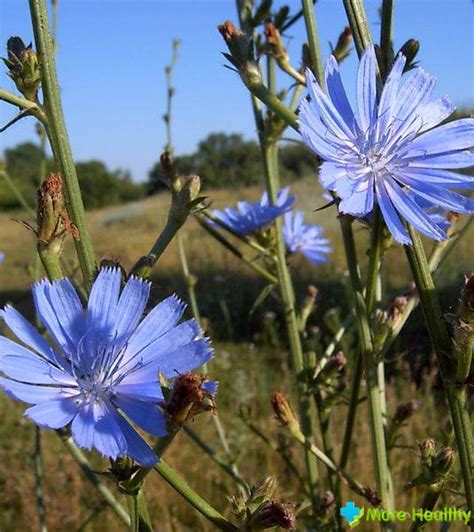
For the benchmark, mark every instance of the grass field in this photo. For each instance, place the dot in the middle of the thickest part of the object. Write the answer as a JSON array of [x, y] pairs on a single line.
[[250, 363]]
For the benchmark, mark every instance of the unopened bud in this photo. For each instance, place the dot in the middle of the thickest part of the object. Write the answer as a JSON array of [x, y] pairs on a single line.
[[410, 50], [281, 16], [406, 410], [342, 49], [312, 292], [464, 332], [239, 46], [273, 514], [306, 56], [336, 361], [189, 398], [327, 500], [397, 307], [283, 410], [274, 42], [427, 451], [265, 489], [443, 462], [23, 66]]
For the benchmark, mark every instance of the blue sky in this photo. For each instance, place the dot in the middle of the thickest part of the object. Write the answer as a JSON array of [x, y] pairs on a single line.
[[112, 54]]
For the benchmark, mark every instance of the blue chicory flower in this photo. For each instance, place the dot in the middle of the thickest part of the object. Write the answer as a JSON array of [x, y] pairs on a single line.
[[250, 217], [389, 151], [104, 361], [2, 257], [305, 238]]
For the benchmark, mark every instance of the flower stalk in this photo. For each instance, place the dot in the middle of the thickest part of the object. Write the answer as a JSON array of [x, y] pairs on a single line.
[[203, 507], [443, 347], [58, 137], [369, 363]]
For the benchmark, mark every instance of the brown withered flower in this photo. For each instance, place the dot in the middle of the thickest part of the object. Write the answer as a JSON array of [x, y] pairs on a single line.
[[189, 397], [53, 222]]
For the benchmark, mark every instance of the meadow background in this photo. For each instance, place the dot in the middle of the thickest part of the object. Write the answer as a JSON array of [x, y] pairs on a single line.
[[250, 347]]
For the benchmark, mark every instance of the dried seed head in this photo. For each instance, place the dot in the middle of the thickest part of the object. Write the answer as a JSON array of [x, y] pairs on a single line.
[[52, 218], [188, 398], [274, 514]]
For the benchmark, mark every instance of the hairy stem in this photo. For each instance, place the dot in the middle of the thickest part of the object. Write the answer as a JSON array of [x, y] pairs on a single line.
[[57, 133]]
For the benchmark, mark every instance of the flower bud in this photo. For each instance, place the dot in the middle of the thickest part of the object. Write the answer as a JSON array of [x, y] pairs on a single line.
[[410, 50], [273, 514], [239, 46], [23, 66], [443, 463], [280, 16], [427, 451], [190, 396], [282, 410], [265, 489], [342, 49], [326, 502], [306, 56], [406, 410], [274, 42], [464, 332], [337, 361]]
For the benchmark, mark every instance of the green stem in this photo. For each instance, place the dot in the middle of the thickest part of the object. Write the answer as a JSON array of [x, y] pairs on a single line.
[[358, 21], [348, 479], [16, 192], [58, 137], [374, 261], [442, 345], [248, 240], [282, 452], [38, 463], [270, 154], [382, 471], [226, 467], [50, 259], [236, 251], [203, 507], [260, 91], [135, 483], [138, 511], [357, 371], [313, 40], [386, 34], [19, 101], [332, 345], [106, 494], [189, 279], [144, 266], [429, 501]]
